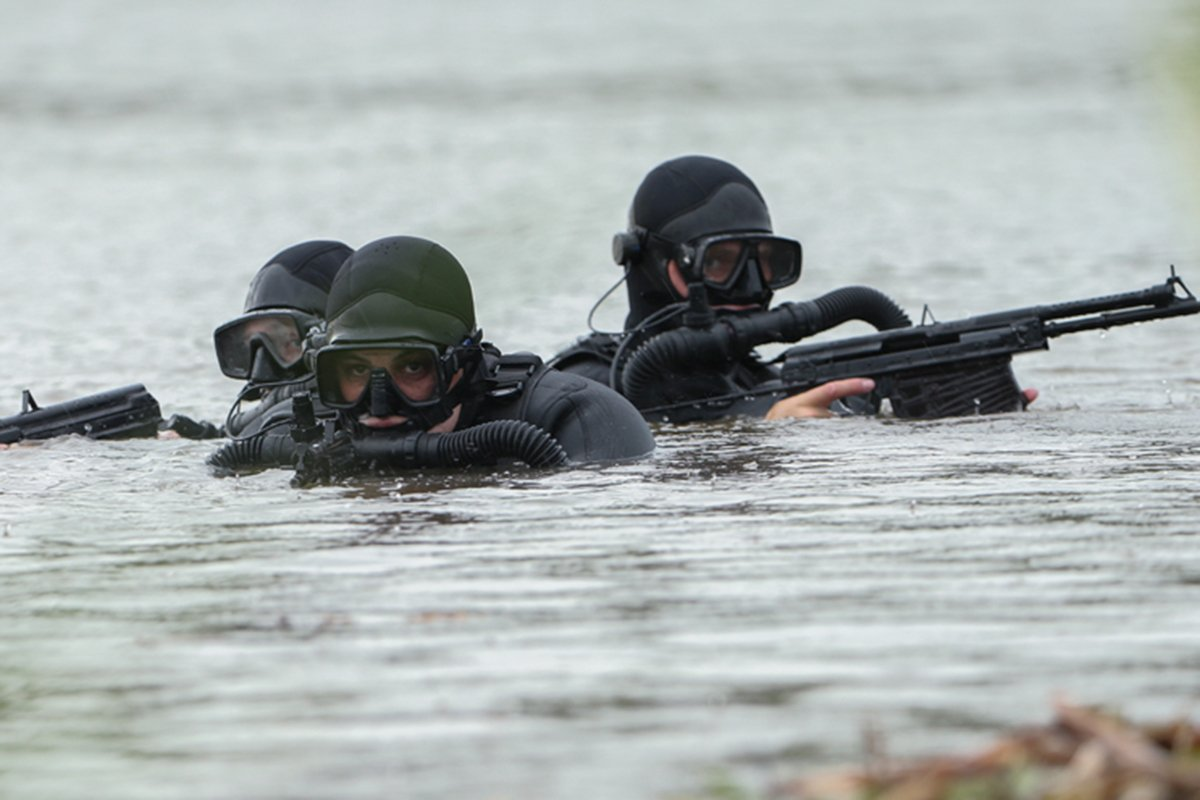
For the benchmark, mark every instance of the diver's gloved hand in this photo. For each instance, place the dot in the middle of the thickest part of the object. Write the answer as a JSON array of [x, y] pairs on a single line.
[[188, 428], [325, 461]]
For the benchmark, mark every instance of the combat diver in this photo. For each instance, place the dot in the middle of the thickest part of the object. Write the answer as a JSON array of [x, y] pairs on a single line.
[[264, 346], [284, 304], [409, 381], [700, 247]]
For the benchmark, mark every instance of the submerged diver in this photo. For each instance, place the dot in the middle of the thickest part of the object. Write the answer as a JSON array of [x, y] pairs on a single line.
[[264, 346], [285, 302], [411, 382], [700, 247]]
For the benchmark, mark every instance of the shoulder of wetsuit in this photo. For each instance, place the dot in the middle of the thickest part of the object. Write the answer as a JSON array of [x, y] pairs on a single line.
[[591, 421], [278, 415], [590, 356], [507, 374], [240, 422], [498, 385]]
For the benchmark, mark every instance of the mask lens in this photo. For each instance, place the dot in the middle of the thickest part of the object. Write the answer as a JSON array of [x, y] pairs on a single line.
[[723, 260], [345, 376], [237, 341], [720, 261], [779, 261]]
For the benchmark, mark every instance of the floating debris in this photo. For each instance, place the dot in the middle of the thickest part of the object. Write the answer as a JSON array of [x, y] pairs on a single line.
[[1084, 754]]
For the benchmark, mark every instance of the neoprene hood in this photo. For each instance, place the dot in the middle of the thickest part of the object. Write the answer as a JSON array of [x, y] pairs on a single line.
[[693, 196], [680, 201]]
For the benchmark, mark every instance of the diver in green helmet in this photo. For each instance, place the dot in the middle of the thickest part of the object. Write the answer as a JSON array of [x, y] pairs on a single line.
[[409, 382], [401, 340], [402, 351], [700, 248]]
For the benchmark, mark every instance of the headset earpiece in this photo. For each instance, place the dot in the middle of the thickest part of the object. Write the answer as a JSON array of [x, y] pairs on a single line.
[[626, 247]]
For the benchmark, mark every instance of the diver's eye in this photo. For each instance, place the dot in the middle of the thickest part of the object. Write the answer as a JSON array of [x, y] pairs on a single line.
[[720, 261], [354, 370], [410, 365]]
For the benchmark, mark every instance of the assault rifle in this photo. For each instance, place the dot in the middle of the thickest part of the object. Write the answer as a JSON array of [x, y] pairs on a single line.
[[126, 412], [944, 368]]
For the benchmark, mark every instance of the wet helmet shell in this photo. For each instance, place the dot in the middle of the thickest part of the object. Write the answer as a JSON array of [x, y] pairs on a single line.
[[401, 288], [298, 277]]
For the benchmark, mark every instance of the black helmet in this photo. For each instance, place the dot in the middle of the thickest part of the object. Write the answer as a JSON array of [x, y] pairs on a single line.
[[681, 202], [298, 278], [286, 300], [407, 296]]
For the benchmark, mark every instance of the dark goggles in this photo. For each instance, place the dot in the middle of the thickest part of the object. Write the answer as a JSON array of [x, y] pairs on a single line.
[[720, 261], [277, 331], [387, 379]]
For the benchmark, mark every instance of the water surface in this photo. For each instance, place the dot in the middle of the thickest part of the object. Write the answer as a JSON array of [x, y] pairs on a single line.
[[750, 599]]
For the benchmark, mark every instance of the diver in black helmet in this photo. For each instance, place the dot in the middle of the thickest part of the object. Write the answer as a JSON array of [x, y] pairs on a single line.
[[403, 366], [699, 224], [264, 346]]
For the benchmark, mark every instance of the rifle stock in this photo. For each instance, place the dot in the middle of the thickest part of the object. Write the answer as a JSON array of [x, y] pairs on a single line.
[[126, 412], [949, 357]]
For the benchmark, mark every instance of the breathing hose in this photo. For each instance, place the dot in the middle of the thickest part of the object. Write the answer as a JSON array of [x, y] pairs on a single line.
[[481, 444], [269, 448], [344, 455], [733, 336]]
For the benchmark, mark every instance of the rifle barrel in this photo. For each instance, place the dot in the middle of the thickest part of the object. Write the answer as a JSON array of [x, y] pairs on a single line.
[[947, 345]]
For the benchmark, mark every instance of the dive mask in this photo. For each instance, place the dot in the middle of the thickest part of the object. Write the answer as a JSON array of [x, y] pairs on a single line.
[[722, 262], [263, 346], [415, 380]]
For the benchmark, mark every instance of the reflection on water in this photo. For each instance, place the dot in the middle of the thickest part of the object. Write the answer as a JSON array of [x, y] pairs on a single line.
[[750, 598]]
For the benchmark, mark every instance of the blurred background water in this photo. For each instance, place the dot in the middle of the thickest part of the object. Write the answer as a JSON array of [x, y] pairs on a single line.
[[746, 602]]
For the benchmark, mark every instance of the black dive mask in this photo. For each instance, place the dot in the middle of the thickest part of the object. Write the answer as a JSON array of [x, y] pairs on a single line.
[[412, 380], [264, 346], [741, 269]]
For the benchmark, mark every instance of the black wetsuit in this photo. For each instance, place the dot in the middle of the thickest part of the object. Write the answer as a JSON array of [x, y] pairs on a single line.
[[979, 387], [243, 421], [592, 357], [589, 421]]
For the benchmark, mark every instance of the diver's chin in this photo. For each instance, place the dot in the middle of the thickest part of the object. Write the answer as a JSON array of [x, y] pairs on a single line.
[[380, 423], [397, 421]]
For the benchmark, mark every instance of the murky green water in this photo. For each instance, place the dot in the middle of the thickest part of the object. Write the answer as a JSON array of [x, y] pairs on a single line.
[[747, 600]]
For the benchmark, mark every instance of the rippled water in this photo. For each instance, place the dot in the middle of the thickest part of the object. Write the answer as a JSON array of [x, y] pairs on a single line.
[[746, 602]]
